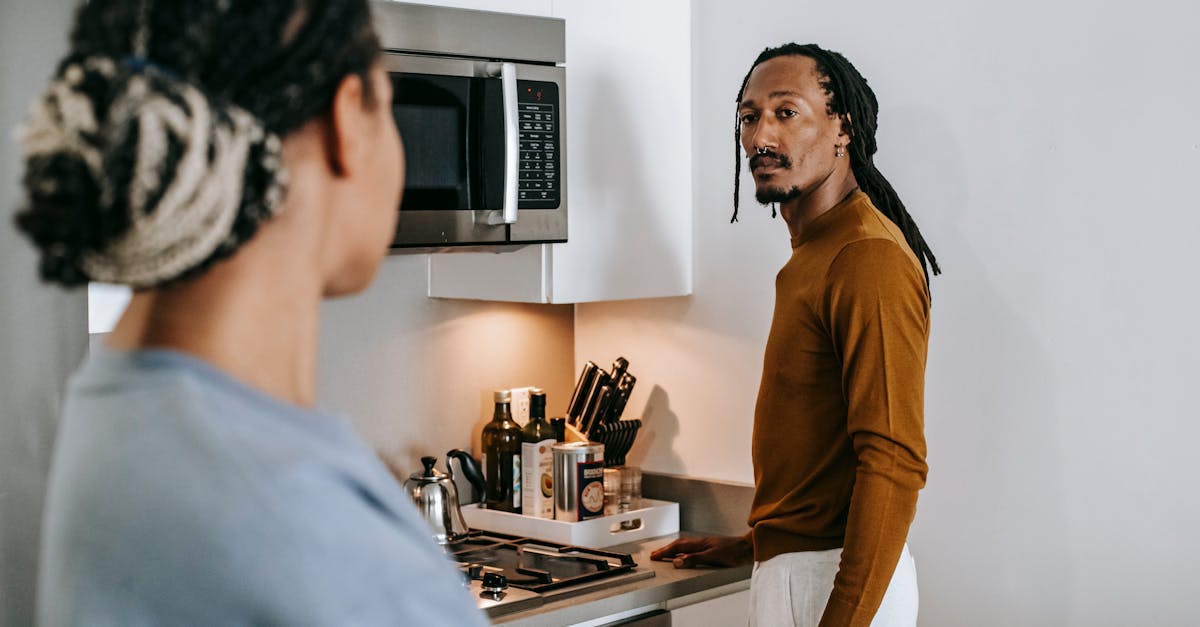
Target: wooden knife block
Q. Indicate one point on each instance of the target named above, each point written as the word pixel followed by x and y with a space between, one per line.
pixel 574 435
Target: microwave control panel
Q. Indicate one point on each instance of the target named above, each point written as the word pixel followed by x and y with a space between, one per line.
pixel 540 167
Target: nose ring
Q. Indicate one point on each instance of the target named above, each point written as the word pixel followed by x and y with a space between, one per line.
pixel 761 151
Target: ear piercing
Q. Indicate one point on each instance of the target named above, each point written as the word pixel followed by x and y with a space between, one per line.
pixel 841 151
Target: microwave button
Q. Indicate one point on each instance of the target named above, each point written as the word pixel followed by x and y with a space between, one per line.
pixel 525 115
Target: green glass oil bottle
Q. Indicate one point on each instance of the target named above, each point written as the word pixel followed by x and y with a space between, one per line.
pixel 501 443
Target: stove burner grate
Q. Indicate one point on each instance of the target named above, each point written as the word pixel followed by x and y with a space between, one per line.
pixel 535 565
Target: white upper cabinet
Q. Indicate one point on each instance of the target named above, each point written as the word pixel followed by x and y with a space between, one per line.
pixel 629 165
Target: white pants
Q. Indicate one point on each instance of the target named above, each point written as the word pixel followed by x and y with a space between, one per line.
pixel 793 588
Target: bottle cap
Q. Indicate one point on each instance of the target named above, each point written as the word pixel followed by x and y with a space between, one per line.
pixel 537 402
pixel 502 396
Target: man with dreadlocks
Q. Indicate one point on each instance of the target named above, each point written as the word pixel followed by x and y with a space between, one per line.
pixel 838 444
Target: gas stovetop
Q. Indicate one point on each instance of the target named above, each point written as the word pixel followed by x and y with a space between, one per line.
pixel 510 574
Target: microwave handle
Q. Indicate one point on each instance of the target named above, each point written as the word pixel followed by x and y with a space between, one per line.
pixel 508 86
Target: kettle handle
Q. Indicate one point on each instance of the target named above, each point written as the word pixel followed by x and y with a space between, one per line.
pixel 470 468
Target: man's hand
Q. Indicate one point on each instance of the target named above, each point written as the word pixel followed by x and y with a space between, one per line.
pixel 706 551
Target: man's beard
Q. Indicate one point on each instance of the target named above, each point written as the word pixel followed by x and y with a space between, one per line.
pixel 768 195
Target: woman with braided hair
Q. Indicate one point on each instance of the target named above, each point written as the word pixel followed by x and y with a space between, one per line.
pixel 234 162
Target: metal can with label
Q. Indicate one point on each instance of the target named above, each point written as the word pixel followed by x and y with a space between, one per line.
pixel 578 481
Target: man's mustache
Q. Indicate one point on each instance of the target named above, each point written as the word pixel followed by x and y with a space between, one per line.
pixel 781 160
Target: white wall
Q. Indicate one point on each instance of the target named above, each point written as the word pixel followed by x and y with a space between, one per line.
pixel 416 374
pixel 43 332
pixel 1048 151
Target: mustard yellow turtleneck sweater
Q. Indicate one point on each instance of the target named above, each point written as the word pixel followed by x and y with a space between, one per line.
pixel 839 445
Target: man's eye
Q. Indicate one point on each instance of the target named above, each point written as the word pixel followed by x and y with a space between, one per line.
pixel 787 113
pixel 747 118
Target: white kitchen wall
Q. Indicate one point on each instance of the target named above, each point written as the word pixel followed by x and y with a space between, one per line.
pixel 1047 150
pixel 416 374
pixel 43 331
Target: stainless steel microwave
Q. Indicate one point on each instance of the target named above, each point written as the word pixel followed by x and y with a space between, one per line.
pixel 479 100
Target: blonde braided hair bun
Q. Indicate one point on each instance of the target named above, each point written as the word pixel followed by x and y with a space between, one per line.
pixel 163 165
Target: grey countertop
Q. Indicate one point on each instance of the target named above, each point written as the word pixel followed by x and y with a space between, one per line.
pixel 669 587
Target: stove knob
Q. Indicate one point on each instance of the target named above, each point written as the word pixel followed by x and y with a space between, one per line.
pixel 494 582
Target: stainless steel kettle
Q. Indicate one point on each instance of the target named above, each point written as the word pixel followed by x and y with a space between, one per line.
pixel 436 496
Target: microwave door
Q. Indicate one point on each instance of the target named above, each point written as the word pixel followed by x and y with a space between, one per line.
pixel 436 104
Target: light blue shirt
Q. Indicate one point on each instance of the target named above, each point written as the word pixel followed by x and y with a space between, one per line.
pixel 180 496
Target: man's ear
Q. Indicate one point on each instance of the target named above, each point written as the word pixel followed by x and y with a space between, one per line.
pixel 346 135
pixel 847 126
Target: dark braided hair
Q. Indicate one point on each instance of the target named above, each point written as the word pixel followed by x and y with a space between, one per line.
pixel 851 99
pixel 209 88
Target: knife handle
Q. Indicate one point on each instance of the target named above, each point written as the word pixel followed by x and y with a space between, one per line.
pixel 589 406
pixel 595 415
pixel 583 391
pixel 619 367
pixel 624 389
